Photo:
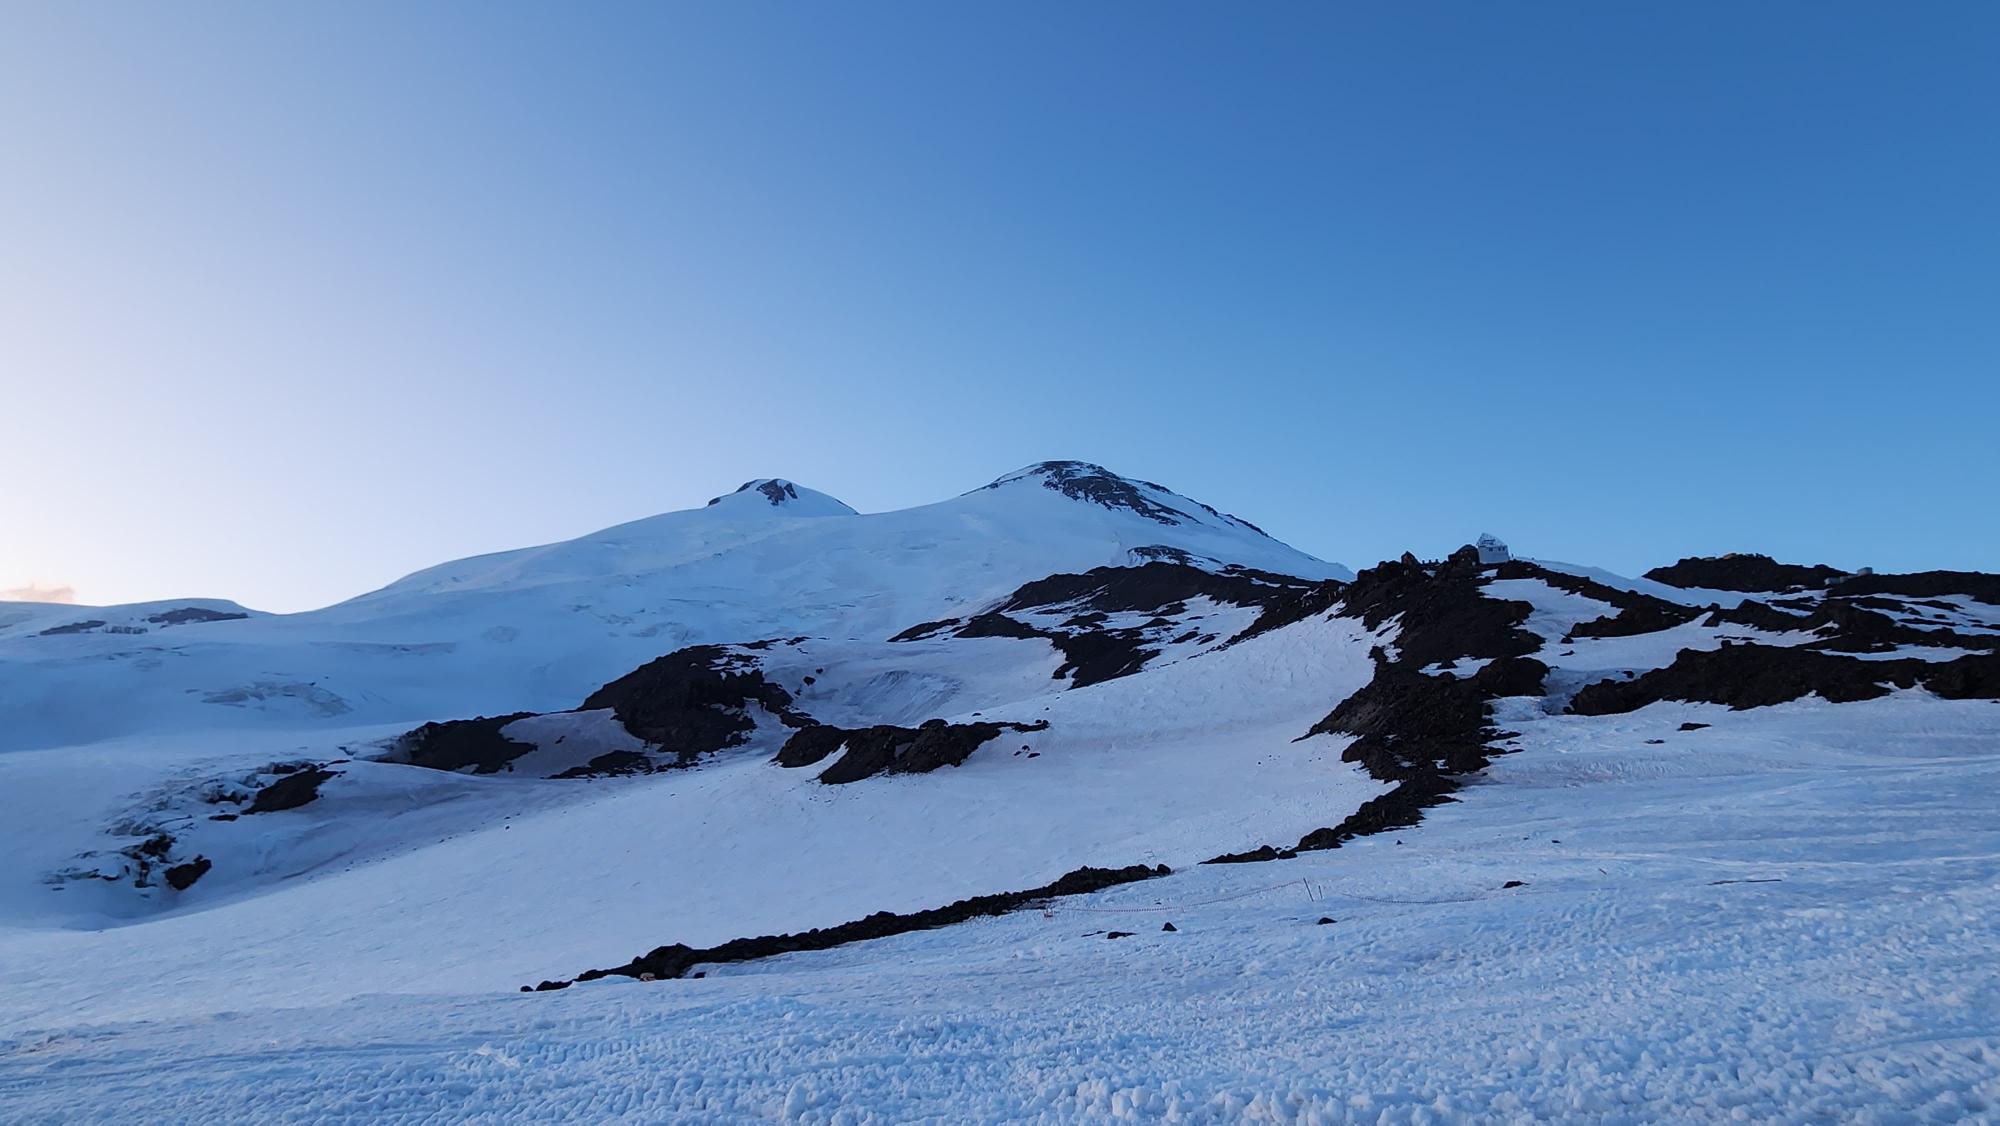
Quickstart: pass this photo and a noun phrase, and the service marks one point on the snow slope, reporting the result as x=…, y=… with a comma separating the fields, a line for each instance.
x=1789, y=916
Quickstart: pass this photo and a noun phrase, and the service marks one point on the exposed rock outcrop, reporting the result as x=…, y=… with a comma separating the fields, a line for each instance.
x=673, y=961
x=1745, y=572
x=887, y=749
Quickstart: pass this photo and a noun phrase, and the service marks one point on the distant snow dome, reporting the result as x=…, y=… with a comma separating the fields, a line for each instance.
x=776, y=492
x=1491, y=549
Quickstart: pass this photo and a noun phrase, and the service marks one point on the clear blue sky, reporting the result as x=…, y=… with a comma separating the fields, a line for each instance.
x=295, y=298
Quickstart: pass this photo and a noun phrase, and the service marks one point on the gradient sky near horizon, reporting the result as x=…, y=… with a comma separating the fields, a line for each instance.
x=297, y=298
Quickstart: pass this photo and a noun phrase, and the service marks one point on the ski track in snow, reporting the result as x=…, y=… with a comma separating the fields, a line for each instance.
x=1788, y=916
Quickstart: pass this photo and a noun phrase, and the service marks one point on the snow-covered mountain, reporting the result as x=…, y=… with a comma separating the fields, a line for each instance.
x=1059, y=758
x=540, y=627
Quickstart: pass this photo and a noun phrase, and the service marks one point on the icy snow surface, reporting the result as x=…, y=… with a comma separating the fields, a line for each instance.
x=1788, y=916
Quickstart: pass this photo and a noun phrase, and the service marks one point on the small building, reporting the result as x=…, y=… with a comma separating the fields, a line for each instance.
x=1491, y=550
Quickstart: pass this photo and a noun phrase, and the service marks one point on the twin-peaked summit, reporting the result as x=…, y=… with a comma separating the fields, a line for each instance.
x=539, y=627
x=1081, y=481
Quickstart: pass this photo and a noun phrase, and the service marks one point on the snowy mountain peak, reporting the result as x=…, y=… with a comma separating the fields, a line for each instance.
x=1094, y=484
x=776, y=492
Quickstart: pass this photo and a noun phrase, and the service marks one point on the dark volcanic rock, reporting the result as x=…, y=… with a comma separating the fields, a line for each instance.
x=188, y=615
x=887, y=749
x=1094, y=652
x=72, y=627
x=925, y=629
x=1400, y=808
x=1409, y=724
x=1846, y=626
x=291, y=791
x=456, y=744
x=674, y=961
x=181, y=877
x=693, y=701
x=1443, y=613
x=1094, y=484
x=1411, y=728
x=810, y=744
x=1634, y=620
x=1151, y=587
x=1977, y=585
x=998, y=625
x=1968, y=678
x=1745, y=572
x=611, y=764
x=1748, y=676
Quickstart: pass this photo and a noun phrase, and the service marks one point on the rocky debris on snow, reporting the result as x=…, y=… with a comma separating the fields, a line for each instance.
x=1440, y=609
x=674, y=961
x=1748, y=572
x=1845, y=625
x=1072, y=611
x=1169, y=928
x=1755, y=676
x=888, y=749
x=694, y=701
x=1117, y=934
x=1094, y=484
x=1417, y=730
